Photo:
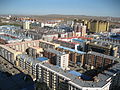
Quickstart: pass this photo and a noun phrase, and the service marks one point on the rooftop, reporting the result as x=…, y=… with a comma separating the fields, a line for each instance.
x=55, y=51
x=75, y=73
x=78, y=37
x=73, y=50
x=102, y=55
x=57, y=41
x=78, y=40
x=109, y=42
x=42, y=59
x=9, y=49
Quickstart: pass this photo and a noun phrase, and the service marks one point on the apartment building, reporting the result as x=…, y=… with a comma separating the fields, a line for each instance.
x=75, y=57
x=103, y=48
x=46, y=45
x=115, y=44
x=57, y=58
x=8, y=53
x=35, y=43
x=26, y=25
x=94, y=25
x=98, y=60
x=77, y=43
x=82, y=43
x=112, y=40
x=72, y=45
x=98, y=26
x=10, y=37
x=58, y=79
x=79, y=27
x=23, y=45
x=27, y=64
x=34, y=51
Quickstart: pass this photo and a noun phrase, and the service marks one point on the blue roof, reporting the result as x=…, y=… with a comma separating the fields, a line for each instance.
x=117, y=38
x=75, y=73
x=78, y=40
x=73, y=50
x=42, y=58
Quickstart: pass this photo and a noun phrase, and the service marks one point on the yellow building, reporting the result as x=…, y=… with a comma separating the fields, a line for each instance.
x=95, y=25
x=98, y=26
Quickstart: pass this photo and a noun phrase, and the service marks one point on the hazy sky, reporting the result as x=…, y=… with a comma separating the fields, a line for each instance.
x=69, y=7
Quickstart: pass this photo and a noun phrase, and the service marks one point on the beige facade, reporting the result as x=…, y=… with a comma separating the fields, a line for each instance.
x=8, y=53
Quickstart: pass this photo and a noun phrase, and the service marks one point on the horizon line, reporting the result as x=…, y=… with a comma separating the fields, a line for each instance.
x=61, y=14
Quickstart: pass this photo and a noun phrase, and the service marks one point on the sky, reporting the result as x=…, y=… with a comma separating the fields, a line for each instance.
x=65, y=7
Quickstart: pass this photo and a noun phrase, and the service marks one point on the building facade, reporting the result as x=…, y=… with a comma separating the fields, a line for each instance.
x=26, y=25
x=98, y=26
x=98, y=60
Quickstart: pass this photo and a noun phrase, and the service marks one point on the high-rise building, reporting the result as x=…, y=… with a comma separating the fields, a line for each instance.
x=79, y=27
x=83, y=30
x=62, y=60
x=98, y=26
x=26, y=25
x=93, y=25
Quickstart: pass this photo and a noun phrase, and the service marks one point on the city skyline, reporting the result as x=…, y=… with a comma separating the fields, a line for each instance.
x=63, y=7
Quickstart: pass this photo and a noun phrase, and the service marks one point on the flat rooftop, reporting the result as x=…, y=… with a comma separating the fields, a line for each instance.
x=72, y=50
x=102, y=55
x=109, y=42
x=42, y=59
x=78, y=40
x=55, y=52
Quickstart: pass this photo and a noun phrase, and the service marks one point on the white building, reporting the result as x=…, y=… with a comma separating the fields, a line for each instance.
x=26, y=25
x=49, y=24
x=62, y=60
x=115, y=30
